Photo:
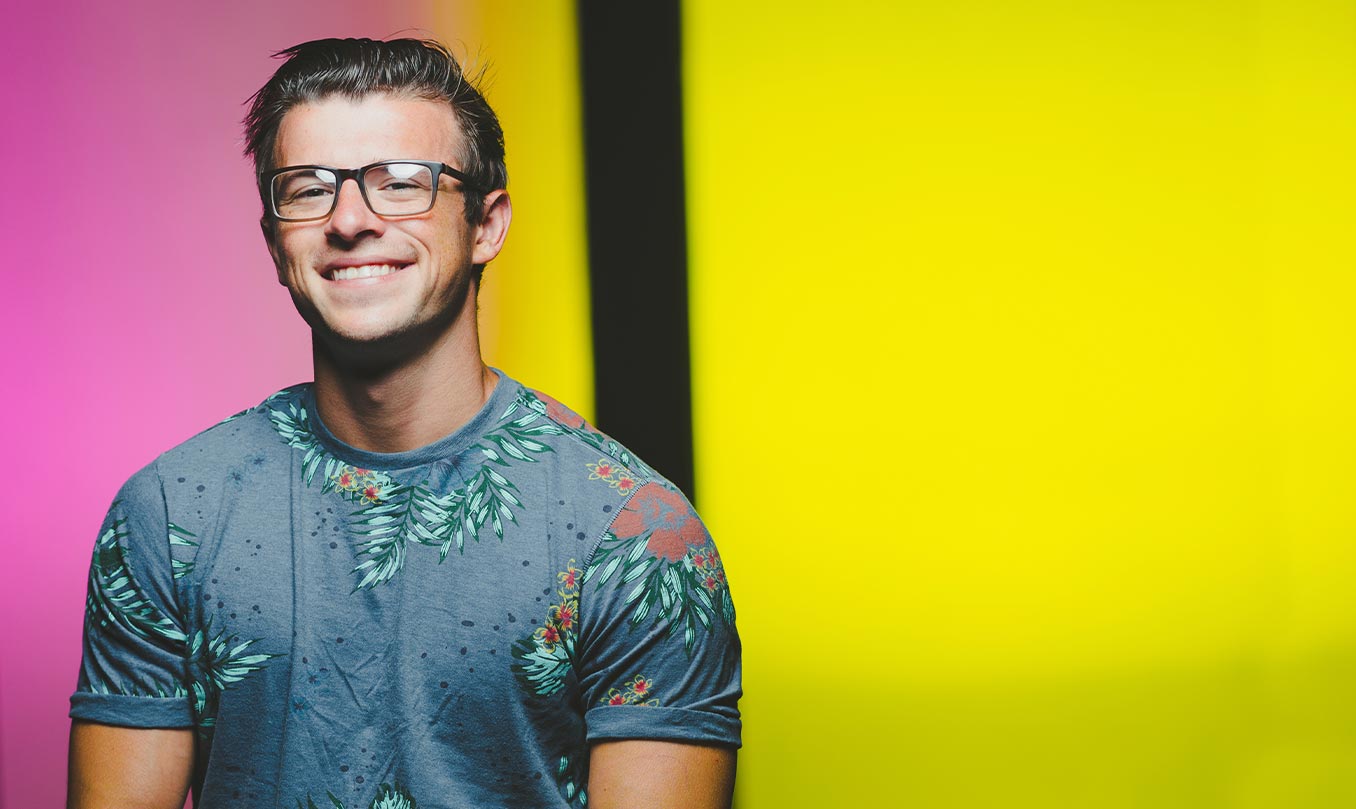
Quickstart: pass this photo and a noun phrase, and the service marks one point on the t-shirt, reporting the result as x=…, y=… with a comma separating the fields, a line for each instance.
x=450, y=626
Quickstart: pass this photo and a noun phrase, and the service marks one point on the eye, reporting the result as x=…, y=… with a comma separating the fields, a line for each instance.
x=304, y=185
x=399, y=178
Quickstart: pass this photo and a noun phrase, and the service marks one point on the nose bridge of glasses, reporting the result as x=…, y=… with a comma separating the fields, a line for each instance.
x=358, y=189
x=350, y=208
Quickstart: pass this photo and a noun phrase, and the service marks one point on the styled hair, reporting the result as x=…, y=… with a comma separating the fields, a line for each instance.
x=355, y=68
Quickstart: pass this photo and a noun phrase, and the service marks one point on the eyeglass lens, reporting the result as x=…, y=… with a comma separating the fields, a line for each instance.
x=392, y=189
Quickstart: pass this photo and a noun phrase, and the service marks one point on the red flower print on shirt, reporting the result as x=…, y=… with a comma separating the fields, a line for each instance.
x=601, y=470
x=563, y=616
x=560, y=412
x=636, y=692
x=625, y=484
x=666, y=515
x=569, y=578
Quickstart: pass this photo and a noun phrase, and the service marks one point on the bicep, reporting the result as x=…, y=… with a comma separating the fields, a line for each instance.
x=642, y=774
x=128, y=768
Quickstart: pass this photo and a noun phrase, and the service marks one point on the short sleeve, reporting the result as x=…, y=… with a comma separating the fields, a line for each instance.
x=658, y=656
x=133, y=670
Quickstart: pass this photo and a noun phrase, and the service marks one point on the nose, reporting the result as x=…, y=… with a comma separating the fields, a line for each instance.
x=351, y=217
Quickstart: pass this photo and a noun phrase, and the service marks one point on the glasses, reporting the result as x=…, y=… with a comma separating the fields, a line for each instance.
x=389, y=187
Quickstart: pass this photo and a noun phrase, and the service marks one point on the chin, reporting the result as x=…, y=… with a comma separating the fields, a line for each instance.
x=376, y=341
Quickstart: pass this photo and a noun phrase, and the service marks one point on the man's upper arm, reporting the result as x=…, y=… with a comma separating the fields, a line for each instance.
x=659, y=660
x=132, y=741
x=639, y=774
x=128, y=768
x=133, y=670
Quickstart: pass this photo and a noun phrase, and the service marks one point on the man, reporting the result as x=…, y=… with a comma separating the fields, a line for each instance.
x=414, y=581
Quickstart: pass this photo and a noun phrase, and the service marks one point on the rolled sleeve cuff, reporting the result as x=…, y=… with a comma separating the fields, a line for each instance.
x=131, y=712
x=611, y=722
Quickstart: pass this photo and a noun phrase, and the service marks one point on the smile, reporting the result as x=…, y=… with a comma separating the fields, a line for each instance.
x=363, y=271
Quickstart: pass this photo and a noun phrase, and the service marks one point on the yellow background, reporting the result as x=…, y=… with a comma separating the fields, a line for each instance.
x=1022, y=340
x=534, y=301
x=1022, y=360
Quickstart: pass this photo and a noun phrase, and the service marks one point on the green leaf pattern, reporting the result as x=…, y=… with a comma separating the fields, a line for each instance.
x=114, y=595
x=665, y=563
x=388, y=797
x=180, y=537
x=393, y=515
x=545, y=658
x=217, y=662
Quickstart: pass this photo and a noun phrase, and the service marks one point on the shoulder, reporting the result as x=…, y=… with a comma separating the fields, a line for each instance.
x=264, y=426
x=228, y=455
x=606, y=457
x=636, y=502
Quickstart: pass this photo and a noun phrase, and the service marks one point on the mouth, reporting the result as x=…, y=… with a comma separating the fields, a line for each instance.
x=361, y=271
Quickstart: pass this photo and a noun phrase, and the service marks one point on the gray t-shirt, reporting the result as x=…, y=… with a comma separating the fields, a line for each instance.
x=446, y=627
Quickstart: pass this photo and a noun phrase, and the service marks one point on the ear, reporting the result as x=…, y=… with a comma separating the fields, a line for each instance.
x=493, y=228
x=270, y=229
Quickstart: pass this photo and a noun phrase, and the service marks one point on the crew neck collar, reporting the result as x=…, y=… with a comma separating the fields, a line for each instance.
x=505, y=390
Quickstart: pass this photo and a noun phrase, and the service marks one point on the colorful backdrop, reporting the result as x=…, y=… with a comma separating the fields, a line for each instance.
x=1021, y=364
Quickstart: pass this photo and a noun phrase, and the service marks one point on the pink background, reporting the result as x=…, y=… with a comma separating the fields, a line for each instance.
x=133, y=317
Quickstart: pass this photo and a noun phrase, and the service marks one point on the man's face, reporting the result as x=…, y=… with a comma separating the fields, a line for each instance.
x=421, y=266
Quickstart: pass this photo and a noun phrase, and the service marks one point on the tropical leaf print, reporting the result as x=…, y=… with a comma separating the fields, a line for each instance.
x=293, y=423
x=543, y=662
x=545, y=659
x=180, y=537
x=392, y=515
x=218, y=662
x=124, y=689
x=388, y=797
x=570, y=777
x=417, y=514
x=385, y=527
x=114, y=595
x=572, y=423
x=666, y=564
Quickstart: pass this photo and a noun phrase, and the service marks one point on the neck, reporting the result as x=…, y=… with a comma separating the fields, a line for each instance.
x=406, y=402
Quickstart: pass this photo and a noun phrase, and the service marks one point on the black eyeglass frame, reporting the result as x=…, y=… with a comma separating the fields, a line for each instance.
x=342, y=176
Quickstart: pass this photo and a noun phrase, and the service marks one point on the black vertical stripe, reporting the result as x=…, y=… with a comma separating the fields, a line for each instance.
x=630, y=56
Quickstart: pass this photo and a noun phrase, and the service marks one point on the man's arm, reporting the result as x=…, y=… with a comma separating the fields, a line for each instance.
x=635, y=774
x=128, y=768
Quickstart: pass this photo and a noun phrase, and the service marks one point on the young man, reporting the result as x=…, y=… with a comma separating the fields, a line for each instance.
x=413, y=581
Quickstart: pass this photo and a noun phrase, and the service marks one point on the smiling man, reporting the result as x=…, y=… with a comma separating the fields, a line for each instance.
x=414, y=581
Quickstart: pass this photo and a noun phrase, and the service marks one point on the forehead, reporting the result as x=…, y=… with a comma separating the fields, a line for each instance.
x=351, y=132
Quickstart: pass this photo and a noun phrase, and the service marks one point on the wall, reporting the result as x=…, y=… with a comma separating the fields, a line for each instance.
x=1021, y=345
x=1022, y=358
x=135, y=318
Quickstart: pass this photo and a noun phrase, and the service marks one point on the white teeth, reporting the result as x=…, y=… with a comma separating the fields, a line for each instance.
x=365, y=271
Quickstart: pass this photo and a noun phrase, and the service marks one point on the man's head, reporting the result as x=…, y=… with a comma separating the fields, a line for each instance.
x=381, y=283
x=353, y=68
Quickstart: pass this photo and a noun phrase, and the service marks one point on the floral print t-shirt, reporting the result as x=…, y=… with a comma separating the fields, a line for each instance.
x=451, y=626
